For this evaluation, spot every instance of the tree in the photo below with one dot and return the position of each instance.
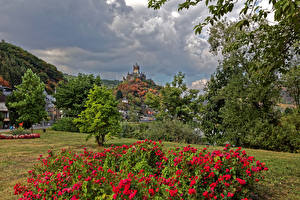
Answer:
(175, 101)
(119, 95)
(29, 100)
(291, 80)
(101, 117)
(71, 96)
(241, 97)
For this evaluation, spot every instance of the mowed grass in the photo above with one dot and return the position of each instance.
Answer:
(18, 156)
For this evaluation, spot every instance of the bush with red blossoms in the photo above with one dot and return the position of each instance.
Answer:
(143, 171)
(25, 136)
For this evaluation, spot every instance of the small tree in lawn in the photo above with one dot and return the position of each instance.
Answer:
(101, 117)
(29, 101)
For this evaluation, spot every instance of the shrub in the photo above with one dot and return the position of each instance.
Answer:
(65, 124)
(286, 137)
(167, 130)
(133, 130)
(20, 131)
(144, 171)
(27, 136)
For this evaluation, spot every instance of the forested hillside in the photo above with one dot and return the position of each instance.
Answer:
(108, 83)
(14, 61)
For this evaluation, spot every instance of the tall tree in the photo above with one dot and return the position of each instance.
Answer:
(29, 100)
(175, 101)
(71, 96)
(244, 91)
(101, 117)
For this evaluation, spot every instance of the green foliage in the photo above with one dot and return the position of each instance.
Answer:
(1, 120)
(291, 80)
(15, 61)
(119, 95)
(29, 100)
(106, 82)
(172, 131)
(175, 101)
(241, 97)
(101, 117)
(133, 130)
(65, 124)
(71, 96)
(20, 131)
(110, 83)
(166, 130)
(286, 137)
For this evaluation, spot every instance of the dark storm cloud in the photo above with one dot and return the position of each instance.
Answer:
(107, 37)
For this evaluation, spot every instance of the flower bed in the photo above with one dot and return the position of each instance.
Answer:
(144, 171)
(25, 136)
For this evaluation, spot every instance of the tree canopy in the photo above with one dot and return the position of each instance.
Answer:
(29, 100)
(101, 117)
(241, 97)
(71, 96)
(175, 101)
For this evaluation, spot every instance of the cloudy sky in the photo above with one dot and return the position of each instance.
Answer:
(107, 37)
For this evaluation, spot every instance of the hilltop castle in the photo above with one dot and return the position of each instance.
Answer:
(135, 74)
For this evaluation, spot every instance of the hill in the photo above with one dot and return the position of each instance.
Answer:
(136, 84)
(14, 61)
(106, 82)
(110, 83)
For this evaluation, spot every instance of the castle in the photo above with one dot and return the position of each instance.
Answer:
(135, 74)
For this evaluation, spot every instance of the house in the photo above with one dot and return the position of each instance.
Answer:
(4, 112)
(53, 112)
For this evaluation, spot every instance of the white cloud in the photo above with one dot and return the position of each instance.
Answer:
(136, 3)
(199, 84)
(107, 37)
(175, 14)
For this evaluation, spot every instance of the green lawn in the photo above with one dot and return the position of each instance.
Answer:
(18, 156)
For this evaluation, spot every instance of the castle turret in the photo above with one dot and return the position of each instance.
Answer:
(136, 69)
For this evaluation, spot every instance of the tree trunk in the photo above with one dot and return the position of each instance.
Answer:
(100, 139)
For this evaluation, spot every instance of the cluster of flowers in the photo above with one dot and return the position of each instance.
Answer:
(143, 171)
(26, 136)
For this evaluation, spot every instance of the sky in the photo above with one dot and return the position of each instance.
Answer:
(108, 37)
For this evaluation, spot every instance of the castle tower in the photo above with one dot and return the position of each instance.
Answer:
(136, 69)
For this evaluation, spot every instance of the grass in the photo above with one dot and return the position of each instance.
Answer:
(18, 156)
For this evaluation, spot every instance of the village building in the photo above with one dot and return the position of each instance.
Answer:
(5, 91)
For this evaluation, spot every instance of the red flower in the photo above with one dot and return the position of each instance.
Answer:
(241, 181)
(151, 191)
(192, 191)
(230, 194)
